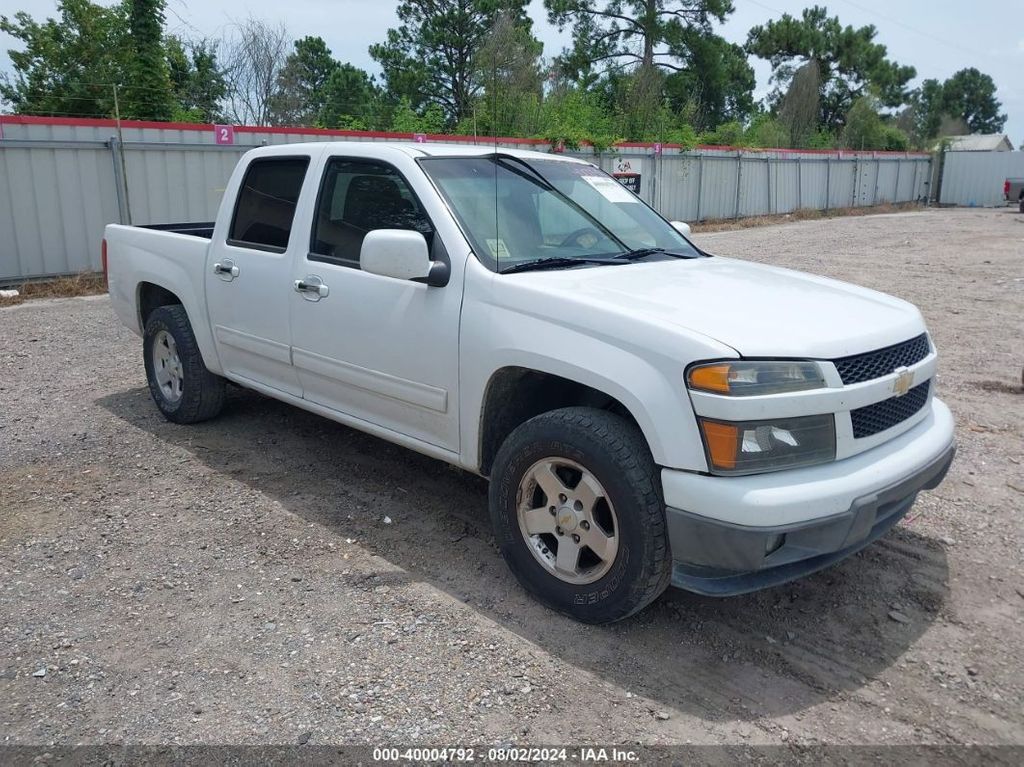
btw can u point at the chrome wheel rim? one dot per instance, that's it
(567, 520)
(167, 367)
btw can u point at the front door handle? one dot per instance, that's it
(226, 269)
(312, 288)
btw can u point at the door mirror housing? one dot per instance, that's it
(402, 254)
(682, 227)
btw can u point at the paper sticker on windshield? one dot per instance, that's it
(611, 189)
(498, 249)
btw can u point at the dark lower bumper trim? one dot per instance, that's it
(722, 559)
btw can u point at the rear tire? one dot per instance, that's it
(581, 454)
(181, 386)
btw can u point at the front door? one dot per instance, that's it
(380, 349)
(249, 268)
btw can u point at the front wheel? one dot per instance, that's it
(578, 514)
(181, 386)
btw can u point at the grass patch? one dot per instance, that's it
(83, 284)
(804, 214)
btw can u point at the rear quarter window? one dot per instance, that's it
(265, 209)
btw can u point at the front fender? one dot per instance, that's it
(649, 385)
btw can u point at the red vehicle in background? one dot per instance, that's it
(1013, 189)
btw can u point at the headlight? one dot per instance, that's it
(751, 447)
(746, 378)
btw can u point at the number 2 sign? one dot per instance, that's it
(224, 134)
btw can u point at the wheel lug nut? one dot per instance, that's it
(562, 498)
(575, 538)
(552, 510)
(578, 505)
(559, 531)
(585, 525)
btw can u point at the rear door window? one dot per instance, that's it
(265, 210)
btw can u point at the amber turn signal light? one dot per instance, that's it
(722, 440)
(710, 378)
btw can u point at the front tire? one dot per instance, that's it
(578, 514)
(181, 386)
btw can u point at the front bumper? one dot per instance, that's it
(720, 550)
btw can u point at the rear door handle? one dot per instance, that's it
(312, 288)
(226, 269)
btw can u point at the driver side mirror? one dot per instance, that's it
(682, 227)
(403, 255)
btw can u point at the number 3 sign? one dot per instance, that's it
(224, 134)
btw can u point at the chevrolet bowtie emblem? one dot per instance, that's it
(903, 382)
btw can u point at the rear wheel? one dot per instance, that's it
(181, 386)
(576, 503)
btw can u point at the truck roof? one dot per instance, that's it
(412, 149)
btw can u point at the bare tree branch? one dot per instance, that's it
(254, 54)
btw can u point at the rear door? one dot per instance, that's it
(248, 275)
(380, 349)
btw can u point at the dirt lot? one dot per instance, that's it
(239, 581)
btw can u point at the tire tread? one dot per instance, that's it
(627, 446)
(203, 397)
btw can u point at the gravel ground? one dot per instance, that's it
(272, 577)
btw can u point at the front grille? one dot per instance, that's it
(881, 362)
(883, 415)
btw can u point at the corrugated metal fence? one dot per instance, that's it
(63, 180)
(976, 178)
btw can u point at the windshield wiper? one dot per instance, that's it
(553, 262)
(632, 255)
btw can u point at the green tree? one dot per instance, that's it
(430, 58)
(69, 64)
(866, 129)
(767, 132)
(799, 108)
(408, 120)
(850, 63)
(971, 96)
(636, 99)
(508, 67)
(197, 80)
(147, 87)
(731, 133)
(348, 100)
(620, 34)
(716, 83)
(966, 102)
(299, 97)
(573, 117)
(657, 63)
(922, 119)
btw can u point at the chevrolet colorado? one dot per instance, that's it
(646, 413)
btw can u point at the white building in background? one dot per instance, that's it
(980, 142)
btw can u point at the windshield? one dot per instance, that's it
(516, 211)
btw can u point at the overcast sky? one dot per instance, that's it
(938, 37)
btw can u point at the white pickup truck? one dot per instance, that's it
(647, 414)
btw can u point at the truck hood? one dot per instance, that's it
(757, 310)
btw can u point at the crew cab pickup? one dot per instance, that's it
(646, 413)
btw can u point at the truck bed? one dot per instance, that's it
(202, 229)
(172, 256)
